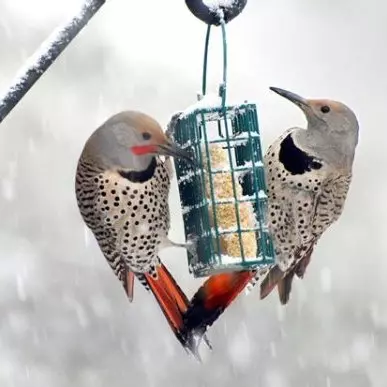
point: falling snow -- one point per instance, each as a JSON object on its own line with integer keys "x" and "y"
{"x": 326, "y": 279}
{"x": 65, "y": 320}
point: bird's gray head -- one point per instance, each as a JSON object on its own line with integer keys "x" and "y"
{"x": 332, "y": 126}
{"x": 128, "y": 141}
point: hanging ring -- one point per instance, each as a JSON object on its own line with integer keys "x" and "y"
{"x": 207, "y": 12}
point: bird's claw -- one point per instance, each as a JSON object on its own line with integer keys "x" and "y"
{"x": 190, "y": 244}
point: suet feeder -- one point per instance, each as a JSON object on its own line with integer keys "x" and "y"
{"x": 224, "y": 199}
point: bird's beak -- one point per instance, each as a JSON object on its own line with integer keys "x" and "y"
{"x": 171, "y": 149}
{"x": 296, "y": 99}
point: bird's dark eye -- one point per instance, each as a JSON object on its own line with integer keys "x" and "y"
{"x": 325, "y": 109}
{"x": 146, "y": 135}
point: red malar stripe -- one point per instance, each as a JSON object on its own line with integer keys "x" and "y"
{"x": 143, "y": 149}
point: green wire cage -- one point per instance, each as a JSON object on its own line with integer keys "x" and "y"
{"x": 224, "y": 199}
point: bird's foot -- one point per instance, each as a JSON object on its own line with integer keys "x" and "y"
{"x": 190, "y": 245}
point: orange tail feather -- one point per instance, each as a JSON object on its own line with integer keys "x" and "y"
{"x": 173, "y": 288}
{"x": 173, "y": 302}
{"x": 212, "y": 298}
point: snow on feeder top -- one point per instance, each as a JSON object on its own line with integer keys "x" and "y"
{"x": 208, "y": 10}
{"x": 224, "y": 199}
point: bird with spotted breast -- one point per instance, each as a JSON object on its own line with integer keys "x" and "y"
{"x": 308, "y": 173}
{"x": 122, "y": 187}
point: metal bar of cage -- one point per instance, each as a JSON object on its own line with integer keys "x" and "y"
{"x": 223, "y": 91}
{"x": 45, "y": 56}
{"x": 202, "y": 125}
{"x": 222, "y": 94}
{"x": 205, "y": 61}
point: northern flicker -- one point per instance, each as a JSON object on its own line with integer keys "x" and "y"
{"x": 122, "y": 188}
{"x": 308, "y": 173}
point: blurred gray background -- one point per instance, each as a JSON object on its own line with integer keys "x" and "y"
{"x": 65, "y": 320}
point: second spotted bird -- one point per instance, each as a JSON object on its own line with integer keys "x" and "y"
{"x": 308, "y": 175}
